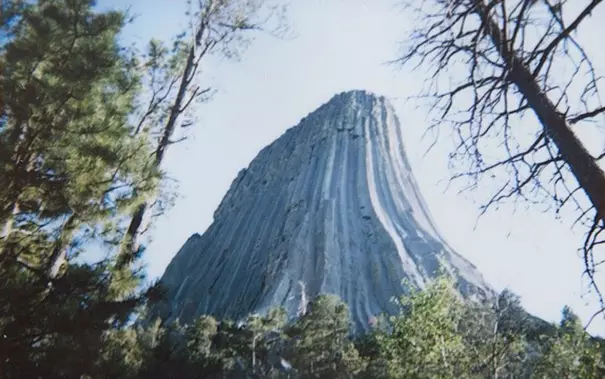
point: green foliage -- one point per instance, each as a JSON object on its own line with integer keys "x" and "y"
{"x": 69, "y": 163}
{"x": 204, "y": 349}
{"x": 424, "y": 341}
{"x": 570, "y": 353}
{"x": 80, "y": 121}
{"x": 63, "y": 154}
{"x": 495, "y": 334}
{"x": 84, "y": 124}
{"x": 436, "y": 335}
{"x": 321, "y": 345}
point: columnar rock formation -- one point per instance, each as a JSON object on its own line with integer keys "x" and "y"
{"x": 331, "y": 204}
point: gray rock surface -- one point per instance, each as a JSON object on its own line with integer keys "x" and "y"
{"x": 332, "y": 204}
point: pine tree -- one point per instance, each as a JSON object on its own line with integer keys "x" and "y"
{"x": 71, "y": 165}
{"x": 321, "y": 344}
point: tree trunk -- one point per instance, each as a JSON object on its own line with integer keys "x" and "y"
{"x": 583, "y": 165}
{"x": 130, "y": 246}
{"x": 8, "y": 225}
{"x": 59, "y": 254}
{"x": 23, "y": 163}
{"x": 13, "y": 184}
{"x": 253, "y": 354}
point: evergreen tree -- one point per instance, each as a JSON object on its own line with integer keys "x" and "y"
{"x": 70, "y": 166}
{"x": 321, "y": 345}
{"x": 437, "y": 335}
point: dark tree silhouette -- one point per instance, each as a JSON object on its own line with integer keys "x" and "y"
{"x": 519, "y": 59}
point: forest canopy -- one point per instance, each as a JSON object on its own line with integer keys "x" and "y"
{"x": 85, "y": 123}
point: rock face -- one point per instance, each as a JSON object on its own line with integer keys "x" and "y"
{"x": 332, "y": 207}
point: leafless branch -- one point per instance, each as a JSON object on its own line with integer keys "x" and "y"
{"x": 509, "y": 78}
{"x": 583, "y": 116}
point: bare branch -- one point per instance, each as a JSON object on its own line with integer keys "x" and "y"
{"x": 196, "y": 94}
{"x": 584, "y": 116}
{"x": 565, "y": 34}
{"x": 509, "y": 79}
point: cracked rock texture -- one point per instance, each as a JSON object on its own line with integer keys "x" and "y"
{"x": 331, "y": 206}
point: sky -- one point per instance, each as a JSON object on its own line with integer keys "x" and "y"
{"x": 338, "y": 45}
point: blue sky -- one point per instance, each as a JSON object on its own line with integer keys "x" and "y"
{"x": 338, "y": 45}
